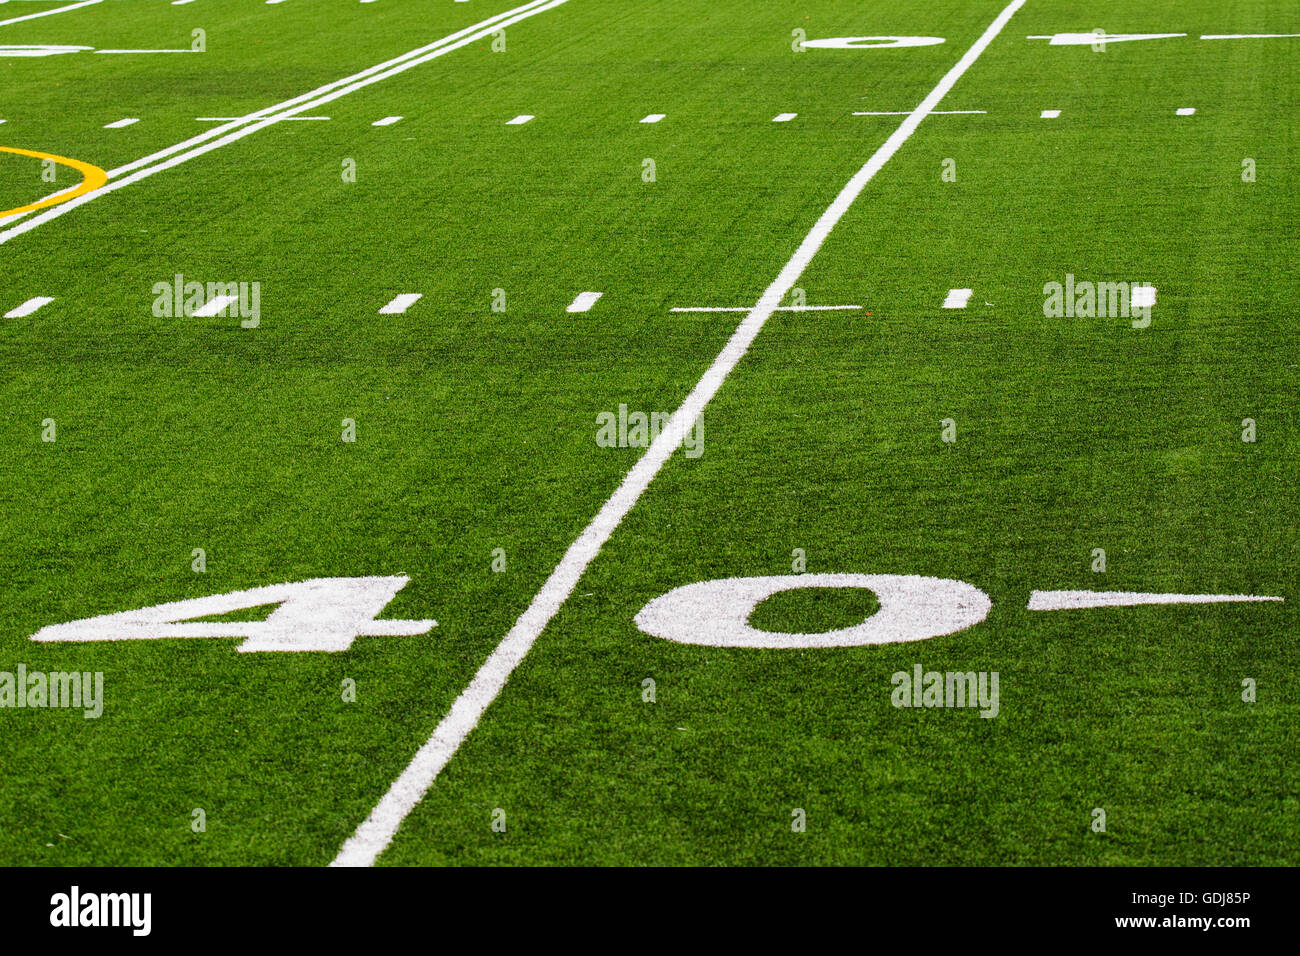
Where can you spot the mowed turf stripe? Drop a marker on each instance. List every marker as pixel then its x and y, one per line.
pixel 236 130
pixel 378 830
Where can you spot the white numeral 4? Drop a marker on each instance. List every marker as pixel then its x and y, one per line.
pixel 320 614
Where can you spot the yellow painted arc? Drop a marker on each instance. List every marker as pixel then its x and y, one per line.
pixel 92 177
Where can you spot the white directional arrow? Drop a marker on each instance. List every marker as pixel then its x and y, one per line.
pixel 1071 600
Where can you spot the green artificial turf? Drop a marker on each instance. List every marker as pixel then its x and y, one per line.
pixel 475 430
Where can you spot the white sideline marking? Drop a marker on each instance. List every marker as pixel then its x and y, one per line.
pixel 387 121
pixel 28 307
pixel 377 830
pixel 48 13
pixel 1073 600
pixel 520 120
pixel 746 308
pixel 144 51
pixel 226 134
pixel 1049 114
pixel 783 117
pixel 905 112
pixel 583 302
pixel 1185 111
pixel 654 117
pixel 214 305
pixel 400 304
pixel 118 124
pixel 957 298
pixel 1142 296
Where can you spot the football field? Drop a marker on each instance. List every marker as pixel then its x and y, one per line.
pixel 669 432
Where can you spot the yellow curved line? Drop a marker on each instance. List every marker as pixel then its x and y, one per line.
pixel 92 177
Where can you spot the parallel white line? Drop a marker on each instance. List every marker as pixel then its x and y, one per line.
pixel 376 832
pixel 48 13
pixel 248 119
pixel 231 132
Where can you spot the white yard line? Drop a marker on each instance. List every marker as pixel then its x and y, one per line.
pixel 215 306
pixel 401 303
pixel 376 832
pixel 957 298
pixel 747 308
pixel 1075 600
pixel 228 133
pixel 1245 36
pixel 28 307
pixel 49 13
pixel 245 119
pixel 905 112
pixel 584 301
pixel 1142 296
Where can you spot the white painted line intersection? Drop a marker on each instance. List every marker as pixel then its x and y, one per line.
pixel 905 112
pixel 375 833
pixel 229 133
